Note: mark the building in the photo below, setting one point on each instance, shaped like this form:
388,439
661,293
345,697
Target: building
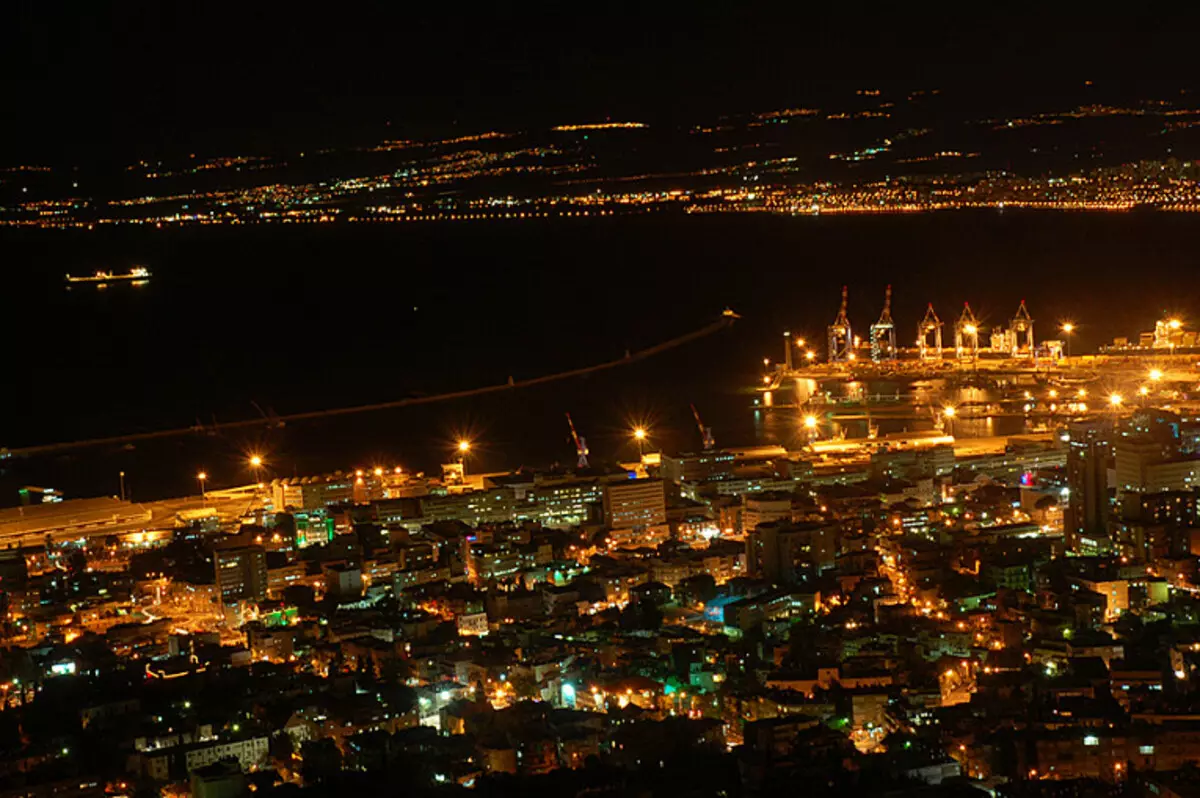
1148,455
635,504
241,572
221,779
565,503
764,508
343,580
314,493
785,553
689,467
1087,513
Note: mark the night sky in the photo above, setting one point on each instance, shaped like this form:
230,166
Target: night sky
94,81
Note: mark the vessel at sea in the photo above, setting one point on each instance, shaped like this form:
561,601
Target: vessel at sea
135,275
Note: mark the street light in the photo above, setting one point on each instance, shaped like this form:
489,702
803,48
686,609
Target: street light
202,477
1115,399
949,412
639,435
810,355
463,447
256,464
1156,375
1068,328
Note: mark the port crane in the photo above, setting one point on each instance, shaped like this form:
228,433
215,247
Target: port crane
966,334
883,332
581,449
706,433
931,324
841,339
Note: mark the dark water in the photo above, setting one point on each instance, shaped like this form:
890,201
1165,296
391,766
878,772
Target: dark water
290,319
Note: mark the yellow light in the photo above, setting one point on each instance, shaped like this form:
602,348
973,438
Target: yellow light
1143,391
1115,399
1053,394
1156,374
800,342
1174,324
1068,327
378,472
810,355
256,461
766,361
810,422
1081,393
202,476
639,433
971,329
464,446
766,380
949,412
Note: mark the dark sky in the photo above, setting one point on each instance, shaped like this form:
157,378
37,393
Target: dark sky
84,80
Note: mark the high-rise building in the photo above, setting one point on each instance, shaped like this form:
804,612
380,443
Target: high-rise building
1085,521
783,553
1149,457
764,507
635,503
241,572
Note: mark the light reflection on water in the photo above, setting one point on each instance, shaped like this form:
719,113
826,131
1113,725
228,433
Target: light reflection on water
894,407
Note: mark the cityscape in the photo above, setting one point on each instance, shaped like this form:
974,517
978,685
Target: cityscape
781,161
934,607
593,402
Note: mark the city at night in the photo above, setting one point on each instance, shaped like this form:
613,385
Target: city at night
708,400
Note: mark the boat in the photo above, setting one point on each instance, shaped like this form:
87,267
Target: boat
136,274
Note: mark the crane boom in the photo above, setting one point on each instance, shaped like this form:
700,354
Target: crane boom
581,449
706,433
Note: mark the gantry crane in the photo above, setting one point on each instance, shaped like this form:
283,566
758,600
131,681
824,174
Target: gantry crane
706,433
966,334
841,339
581,449
883,332
930,325
1022,327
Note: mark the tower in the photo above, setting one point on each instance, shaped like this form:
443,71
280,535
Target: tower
841,340
1085,521
930,325
966,334
883,332
1022,326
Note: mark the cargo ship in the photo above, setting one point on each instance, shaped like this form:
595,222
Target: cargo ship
135,275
